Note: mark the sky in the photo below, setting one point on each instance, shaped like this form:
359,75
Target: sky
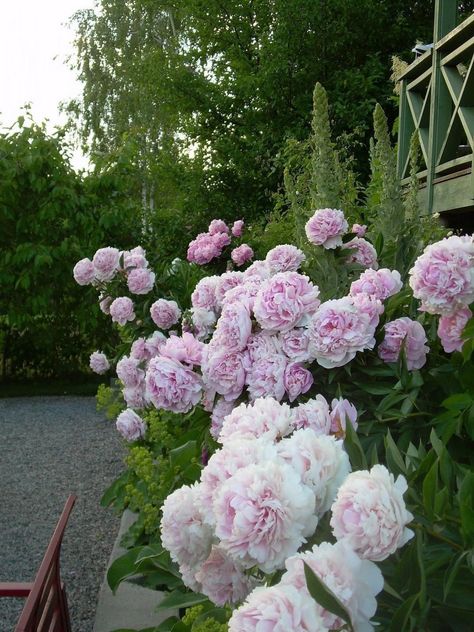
34,44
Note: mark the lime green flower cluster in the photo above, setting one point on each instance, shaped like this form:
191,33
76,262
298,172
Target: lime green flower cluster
208,624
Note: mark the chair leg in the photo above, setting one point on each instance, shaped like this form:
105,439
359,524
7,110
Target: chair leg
65,611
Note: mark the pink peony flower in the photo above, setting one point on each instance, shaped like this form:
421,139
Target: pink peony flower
443,276
134,396
283,301
183,532
284,258
204,294
121,310
104,304
326,228
378,284
320,461
83,272
172,386
363,253
219,412
297,380
130,425
370,514
203,321
369,305
140,280
226,282
262,344
245,294
295,343
238,228
355,582
262,513
203,249
409,335
222,580
313,414
139,350
221,240
257,271
338,331
165,313
225,372
241,255
106,263
450,329
98,362
217,226
185,348
129,372
266,376
342,411
233,328
265,418
135,258
154,343
359,229
280,608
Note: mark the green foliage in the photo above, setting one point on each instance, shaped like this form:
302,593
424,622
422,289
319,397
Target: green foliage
109,401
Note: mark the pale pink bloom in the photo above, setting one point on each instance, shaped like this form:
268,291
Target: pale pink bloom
326,228
183,532
297,380
450,329
238,228
104,304
217,226
219,412
139,350
135,396
203,321
266,376
370,514
241,254
295,343
165,313
83,272
135,258
313,414
337,331
280,608
203,249
265,417
222,580
226,282
257,271
204,294
185,348
106,263
363,253
171,385
225,372
283,301
129,371
443,276
245,294
130,425
99,363
284,258
359,229
154,343
263,344
224,463
404,333
188,577
369,305
342,411
378,284
353,581
121,310
140,280
262,513
221,240
233,328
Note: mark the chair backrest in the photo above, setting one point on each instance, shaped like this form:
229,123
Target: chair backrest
45,609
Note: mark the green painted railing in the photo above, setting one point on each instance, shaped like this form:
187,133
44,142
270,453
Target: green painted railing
437,103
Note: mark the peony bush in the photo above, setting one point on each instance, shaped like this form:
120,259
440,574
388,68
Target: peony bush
295,456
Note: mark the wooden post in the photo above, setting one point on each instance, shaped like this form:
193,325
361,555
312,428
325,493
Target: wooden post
440,110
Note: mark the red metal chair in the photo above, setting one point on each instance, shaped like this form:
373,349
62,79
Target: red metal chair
45,609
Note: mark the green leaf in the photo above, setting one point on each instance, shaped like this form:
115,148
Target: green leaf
458,401
354,449
451,572
324,596
395,460
400,617
182,455
466,508
430,488
121,568
178,599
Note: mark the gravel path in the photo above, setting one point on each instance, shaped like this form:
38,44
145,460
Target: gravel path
50,447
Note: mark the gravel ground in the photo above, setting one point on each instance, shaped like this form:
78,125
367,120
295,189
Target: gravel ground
50,447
